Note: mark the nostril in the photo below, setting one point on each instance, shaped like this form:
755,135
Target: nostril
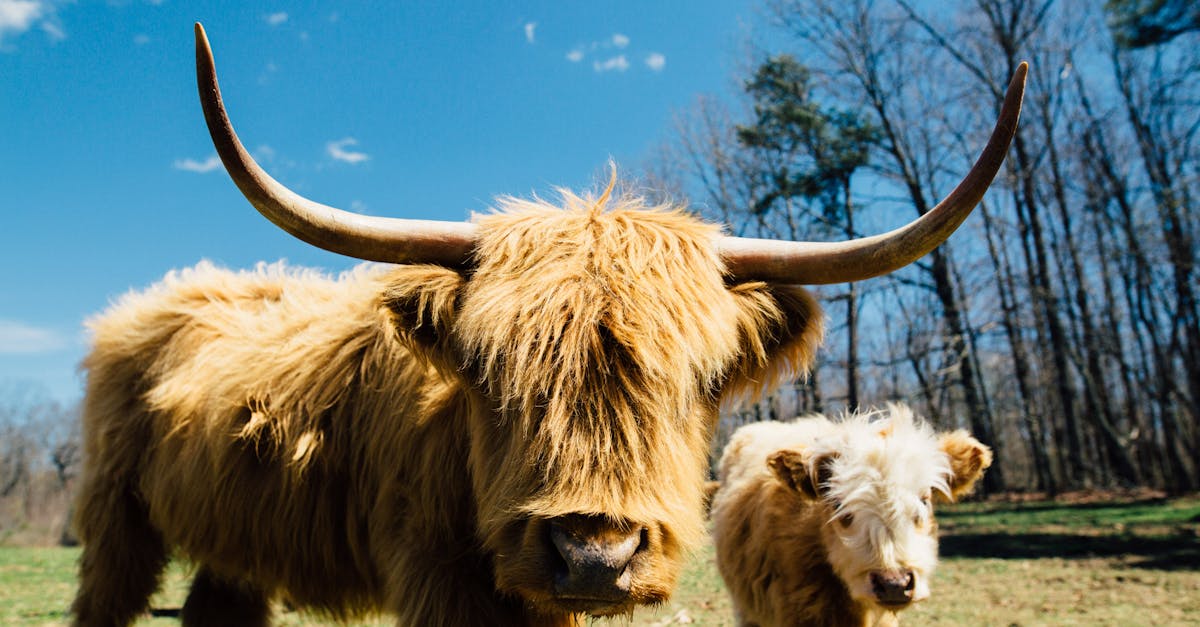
893,587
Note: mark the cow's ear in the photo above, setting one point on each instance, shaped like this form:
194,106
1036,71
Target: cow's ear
781,328
968,459
423,301
806,474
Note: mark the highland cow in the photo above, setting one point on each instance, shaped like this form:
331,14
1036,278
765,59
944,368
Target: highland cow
824,523
509,427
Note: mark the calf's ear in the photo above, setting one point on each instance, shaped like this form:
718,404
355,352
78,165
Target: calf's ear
423,301
807,475
968,459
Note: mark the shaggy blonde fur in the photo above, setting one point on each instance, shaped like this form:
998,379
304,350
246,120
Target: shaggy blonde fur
397,439
808,511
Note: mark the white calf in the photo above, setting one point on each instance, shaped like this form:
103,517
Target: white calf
821,522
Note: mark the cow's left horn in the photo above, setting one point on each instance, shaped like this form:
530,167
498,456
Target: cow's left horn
816,263
365,237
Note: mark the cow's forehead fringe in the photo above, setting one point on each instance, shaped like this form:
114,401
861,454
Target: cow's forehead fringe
619,294
886,455
600,329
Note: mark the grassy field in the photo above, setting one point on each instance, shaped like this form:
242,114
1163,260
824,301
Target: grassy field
1105,562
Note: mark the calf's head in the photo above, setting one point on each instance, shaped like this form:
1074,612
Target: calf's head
874,479
593,344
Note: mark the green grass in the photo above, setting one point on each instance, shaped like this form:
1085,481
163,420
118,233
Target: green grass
1147,514
1028,564
35,585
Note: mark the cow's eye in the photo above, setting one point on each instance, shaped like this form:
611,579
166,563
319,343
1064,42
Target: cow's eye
845,520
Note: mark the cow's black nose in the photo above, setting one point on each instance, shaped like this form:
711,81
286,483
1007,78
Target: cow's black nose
596,554
893,587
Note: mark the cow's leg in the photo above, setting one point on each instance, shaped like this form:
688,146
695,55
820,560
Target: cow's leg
217,601
123,556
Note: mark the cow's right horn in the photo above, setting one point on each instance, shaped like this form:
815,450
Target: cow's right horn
815,263
365,237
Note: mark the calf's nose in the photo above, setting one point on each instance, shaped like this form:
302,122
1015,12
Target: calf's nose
893,587
596,554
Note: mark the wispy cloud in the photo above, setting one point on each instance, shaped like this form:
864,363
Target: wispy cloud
263,153
612,54
18,338
337,150
191,165
530,27
18,16
141,39
54,30
275,19
618,63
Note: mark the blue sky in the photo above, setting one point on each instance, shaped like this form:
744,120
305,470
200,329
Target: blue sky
410,109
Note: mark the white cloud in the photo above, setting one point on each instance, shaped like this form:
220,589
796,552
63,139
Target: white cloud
618,63
18,338
575,56
275,19
656,61
529,31
337,150
620,40
191,165
18,16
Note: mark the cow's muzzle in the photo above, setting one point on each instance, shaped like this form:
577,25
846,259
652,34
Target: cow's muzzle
598,558
893,588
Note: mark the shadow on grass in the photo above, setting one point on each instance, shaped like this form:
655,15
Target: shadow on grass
1025,507
1161,553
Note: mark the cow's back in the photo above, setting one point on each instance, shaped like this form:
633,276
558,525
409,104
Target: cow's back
229,404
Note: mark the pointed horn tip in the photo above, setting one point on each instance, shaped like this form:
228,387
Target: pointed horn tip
1022,72
202,46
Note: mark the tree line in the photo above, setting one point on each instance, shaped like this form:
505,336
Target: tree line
1061,323
39,461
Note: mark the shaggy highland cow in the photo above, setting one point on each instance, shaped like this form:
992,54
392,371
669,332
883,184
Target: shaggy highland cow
830,524
510,427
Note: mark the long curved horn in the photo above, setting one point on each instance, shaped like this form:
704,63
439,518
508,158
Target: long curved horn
365,237
817,263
